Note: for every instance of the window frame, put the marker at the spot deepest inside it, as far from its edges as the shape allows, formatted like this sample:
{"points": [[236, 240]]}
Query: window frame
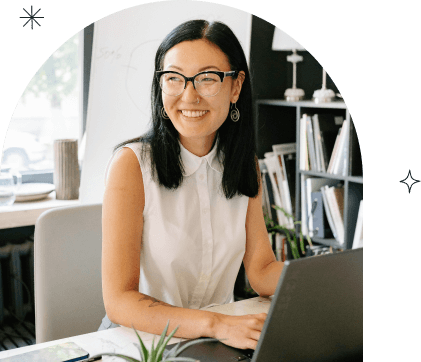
{"points": [[46, 176]]}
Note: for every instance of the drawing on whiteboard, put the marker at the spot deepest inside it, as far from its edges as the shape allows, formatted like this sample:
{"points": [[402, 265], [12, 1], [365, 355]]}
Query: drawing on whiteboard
{"points": [[106, 53], [140, 71]]}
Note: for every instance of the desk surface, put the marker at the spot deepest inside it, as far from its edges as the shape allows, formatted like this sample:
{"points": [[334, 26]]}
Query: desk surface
{"points": [[121, 339], [27, 213]]}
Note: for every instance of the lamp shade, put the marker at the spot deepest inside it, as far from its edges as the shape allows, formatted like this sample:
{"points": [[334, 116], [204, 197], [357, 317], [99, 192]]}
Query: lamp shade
{"points": [[282, 41]]}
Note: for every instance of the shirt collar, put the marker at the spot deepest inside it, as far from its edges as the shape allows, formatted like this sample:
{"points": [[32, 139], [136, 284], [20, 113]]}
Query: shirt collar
{"points": [[192, 162]]}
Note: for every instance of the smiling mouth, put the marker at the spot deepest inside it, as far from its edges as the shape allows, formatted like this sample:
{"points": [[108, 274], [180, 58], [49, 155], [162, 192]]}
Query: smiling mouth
{"points": [[193, 114]]}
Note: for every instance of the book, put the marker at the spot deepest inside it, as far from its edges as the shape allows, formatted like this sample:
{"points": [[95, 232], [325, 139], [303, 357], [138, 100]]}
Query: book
{"points": [[304, 161], [265, 199], [358, 235], [304, 219], [314, 184], [271, 161], [341, 159], [270, 200], [286, 170], [334, 152], [317, 214], [311, 147], [290, 166], [328, 213], [317, 144], [335, 200], [285, 148]]}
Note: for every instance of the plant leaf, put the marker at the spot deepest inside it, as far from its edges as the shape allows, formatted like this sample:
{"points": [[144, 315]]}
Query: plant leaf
{"points": [[172, 351], [144, 354], [162, 348], [161, 340], [187, 345], [181, 359], [161, 344], [152, 354], [127, 358], [276, 207]]}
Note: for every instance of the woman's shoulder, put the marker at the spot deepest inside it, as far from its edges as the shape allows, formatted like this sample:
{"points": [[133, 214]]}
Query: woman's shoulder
{"points": [[140, 149], [123, 170], [128, 158]]}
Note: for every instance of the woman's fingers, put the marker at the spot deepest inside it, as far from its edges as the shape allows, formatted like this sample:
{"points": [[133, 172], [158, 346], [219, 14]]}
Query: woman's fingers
{"points": [[242, 331]]}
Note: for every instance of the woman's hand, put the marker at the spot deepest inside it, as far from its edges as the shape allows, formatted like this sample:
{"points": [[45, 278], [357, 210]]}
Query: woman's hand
{"points": [[239, 331]]}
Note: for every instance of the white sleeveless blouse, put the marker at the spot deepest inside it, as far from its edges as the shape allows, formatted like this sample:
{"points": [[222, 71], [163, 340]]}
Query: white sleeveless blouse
{"points": [[193, 238]]}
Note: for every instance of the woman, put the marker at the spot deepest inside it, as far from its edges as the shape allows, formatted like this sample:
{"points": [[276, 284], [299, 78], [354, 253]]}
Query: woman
{"points": [[182, 206]]}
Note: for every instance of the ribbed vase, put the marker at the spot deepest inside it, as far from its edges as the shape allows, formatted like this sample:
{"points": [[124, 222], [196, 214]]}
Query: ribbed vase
{"points": [[66, 169]]}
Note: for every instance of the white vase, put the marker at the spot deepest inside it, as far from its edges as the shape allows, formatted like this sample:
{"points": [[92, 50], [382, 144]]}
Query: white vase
{"points": [[66, 169]]}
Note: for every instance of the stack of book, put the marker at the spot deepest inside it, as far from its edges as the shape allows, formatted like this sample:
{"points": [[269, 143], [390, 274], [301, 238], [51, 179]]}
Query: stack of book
{"points": [[322, 208], [322, 199], [278, 181], [278, 188], [316, 152]]}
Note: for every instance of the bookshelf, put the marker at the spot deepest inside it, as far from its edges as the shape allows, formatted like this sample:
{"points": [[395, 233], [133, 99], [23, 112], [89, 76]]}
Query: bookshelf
{"points": [[278, 121]]}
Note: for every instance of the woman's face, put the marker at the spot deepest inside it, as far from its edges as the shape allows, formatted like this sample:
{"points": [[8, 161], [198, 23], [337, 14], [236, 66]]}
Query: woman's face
{"points": [[199, 121]]}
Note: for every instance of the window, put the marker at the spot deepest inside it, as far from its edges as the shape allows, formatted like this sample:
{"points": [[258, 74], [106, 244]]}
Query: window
{"points": [[53, 106]]}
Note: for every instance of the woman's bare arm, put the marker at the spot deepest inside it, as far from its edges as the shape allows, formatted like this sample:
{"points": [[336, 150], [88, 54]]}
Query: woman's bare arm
{"points": [[122, 225], [262, 269]]}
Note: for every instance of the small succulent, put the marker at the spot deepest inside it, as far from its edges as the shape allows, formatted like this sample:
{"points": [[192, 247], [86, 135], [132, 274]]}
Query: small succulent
{"points": [[158, 352]]}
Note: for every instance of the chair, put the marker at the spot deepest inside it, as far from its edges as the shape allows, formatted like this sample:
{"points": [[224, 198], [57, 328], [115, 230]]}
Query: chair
{"points": [[67, 258]]}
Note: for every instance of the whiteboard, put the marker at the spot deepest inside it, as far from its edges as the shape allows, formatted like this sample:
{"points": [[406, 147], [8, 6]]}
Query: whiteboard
{"points": [[123, 54]]}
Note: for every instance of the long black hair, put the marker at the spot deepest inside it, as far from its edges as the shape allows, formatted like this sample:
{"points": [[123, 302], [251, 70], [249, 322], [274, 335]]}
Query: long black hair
{"points": [[236, 140]]}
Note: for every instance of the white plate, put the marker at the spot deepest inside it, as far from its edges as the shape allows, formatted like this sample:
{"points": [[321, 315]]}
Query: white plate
{"points": [[33, 191]]}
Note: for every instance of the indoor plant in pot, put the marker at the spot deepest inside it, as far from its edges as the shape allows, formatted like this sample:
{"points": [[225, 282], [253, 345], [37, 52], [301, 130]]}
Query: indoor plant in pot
{"points": [[158, 353], [291, 234]]}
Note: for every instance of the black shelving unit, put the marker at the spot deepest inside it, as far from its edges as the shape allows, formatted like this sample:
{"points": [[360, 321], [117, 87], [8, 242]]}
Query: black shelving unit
{"points": [[278, 121]]}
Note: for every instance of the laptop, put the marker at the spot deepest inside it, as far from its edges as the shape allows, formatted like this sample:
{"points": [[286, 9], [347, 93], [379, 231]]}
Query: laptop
{"points": [[316, 314]]}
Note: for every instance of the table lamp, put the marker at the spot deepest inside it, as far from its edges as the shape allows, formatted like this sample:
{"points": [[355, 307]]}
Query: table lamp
{"points": [[323, 95], [282, 41]]}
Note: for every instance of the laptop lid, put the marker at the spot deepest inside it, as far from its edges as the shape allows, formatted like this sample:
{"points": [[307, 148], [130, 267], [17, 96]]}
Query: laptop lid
{"points": [[316, 314]]}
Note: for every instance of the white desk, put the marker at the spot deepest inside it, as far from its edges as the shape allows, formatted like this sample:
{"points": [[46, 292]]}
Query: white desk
{"points": [[27, 213], [121, 339]]}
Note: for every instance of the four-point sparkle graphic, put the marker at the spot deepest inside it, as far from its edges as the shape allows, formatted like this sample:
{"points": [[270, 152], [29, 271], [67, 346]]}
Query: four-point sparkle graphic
{"points": [[409, 181], [31, 17]]}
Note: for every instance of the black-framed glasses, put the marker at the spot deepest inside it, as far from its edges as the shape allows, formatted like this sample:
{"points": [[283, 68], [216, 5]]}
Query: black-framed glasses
{"points": [[207, 84]]}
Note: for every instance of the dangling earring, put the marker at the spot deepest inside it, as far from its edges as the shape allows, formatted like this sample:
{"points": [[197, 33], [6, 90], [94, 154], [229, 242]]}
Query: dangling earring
{"points": [[235, 113], [164, 114]]}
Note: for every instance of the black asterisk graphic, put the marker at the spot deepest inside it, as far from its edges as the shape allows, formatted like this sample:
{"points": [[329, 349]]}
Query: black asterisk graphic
{"points": [[409, 181], [31, 17]]}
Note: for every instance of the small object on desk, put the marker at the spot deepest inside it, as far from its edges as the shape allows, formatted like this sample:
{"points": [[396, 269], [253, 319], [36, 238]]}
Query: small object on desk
{"points": [[33, 191], [66, 169]]}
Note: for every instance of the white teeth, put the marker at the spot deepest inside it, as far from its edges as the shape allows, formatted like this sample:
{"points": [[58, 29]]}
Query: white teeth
{"points": [[193, 113]]}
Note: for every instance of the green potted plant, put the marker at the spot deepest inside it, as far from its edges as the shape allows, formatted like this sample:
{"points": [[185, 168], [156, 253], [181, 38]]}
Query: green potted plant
{"points": [[291, 234], [158, 353]]}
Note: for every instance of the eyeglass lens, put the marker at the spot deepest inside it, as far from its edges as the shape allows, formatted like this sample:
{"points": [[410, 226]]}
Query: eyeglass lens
{"points": [[206, 84]]}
